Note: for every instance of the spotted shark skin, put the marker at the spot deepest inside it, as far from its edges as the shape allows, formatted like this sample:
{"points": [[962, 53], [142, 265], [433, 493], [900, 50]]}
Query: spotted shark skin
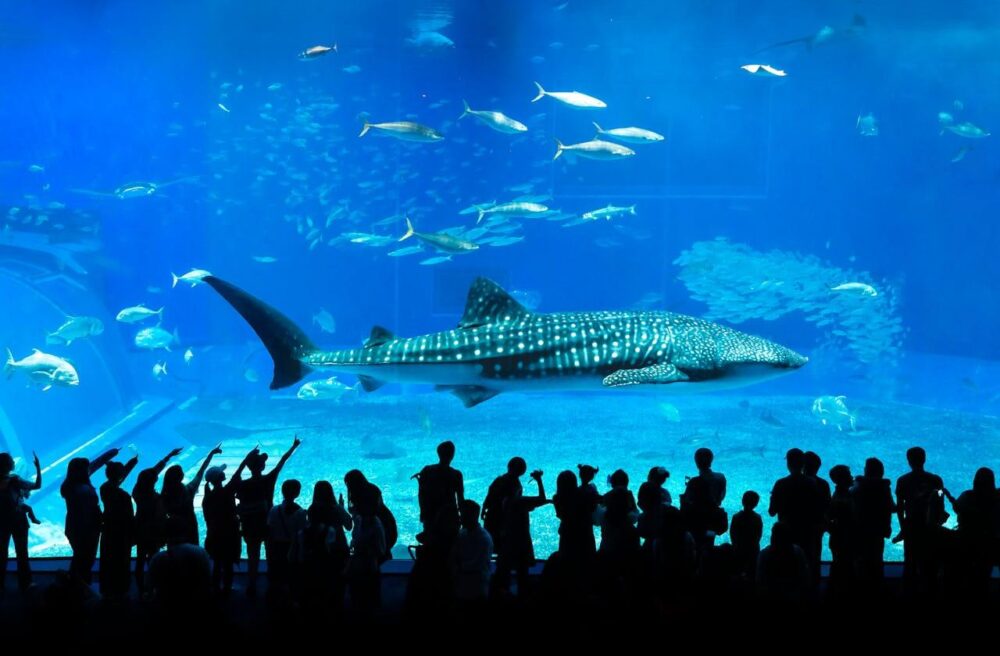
{"points": [[499, 345]]}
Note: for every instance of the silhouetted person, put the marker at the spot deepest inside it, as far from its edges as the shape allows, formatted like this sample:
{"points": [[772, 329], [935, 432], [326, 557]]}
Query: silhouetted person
{"points": [[180, 577], [470, 557], [150, 518], [619, 536], [283, 524], [321, 551], [573, 563], [873, 509], [921, 514], [118, 532], [811, 464], [440, 491], [368, 552], [223, 541], [517, 551], [841, 523], [745, 533], [14, 519], [590, 498], [181, 524], [978, 513], [364, 497], [83, 513], [701, 502], [657, 480], [782, 570], [256, 497], [652, 498], [502, 487], [674, 556], [798, 504]]}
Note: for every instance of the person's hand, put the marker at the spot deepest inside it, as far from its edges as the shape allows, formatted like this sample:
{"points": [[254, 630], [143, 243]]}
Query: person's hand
{"points": [[174, 453], [34, 458], [296, 441], [254, 451], [537, 474], [134, 458], [115, 451], [217, 450]]}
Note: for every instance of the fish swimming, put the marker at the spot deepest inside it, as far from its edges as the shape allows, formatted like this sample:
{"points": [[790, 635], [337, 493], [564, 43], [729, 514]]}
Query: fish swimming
{"points": [[317, 51], [44, 369], [405, 130], [572, 98], [499, 345], [594, 149], [823, 35], [629, 135], [862, 287], [608, 213], [512, 209], [440, 240], [156, 338], [75, 328], [137, 313], [496, 120], [763, 70], [967, 130]]}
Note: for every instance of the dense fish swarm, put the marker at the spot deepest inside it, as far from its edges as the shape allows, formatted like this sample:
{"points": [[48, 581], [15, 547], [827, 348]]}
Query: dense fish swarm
{"points": [[739, 283]]}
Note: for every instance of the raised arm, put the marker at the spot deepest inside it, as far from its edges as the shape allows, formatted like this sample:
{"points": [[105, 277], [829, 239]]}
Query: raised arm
{"points": [[130, 465], [288, 454], [102, 460], [37, 485], [237, 475], [158, 467], [196, 481]]}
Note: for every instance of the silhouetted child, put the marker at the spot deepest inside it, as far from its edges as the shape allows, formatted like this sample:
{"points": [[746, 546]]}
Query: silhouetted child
{"points": [[745, 532], [28, 511], [284, 522], [470, 556], [841, 522]]}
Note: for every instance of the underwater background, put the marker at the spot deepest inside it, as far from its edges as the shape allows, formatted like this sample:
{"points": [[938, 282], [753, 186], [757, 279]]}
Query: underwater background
{"points": [[145, 139]]}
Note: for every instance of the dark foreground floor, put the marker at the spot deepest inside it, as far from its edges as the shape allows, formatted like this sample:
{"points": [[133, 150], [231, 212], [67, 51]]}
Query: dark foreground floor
{"points": [[52, 612]]}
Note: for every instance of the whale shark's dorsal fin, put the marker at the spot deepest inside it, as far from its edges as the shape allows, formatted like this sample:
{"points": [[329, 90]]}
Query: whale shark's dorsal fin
{"points": [[489, 303], [379, 337]]}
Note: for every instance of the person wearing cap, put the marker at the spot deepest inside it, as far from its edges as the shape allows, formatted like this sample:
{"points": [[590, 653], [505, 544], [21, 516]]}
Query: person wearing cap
{"points": [[256, 498], [223, 541]]}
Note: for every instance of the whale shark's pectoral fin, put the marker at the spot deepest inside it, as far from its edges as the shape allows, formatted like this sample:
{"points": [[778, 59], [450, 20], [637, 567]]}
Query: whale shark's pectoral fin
{"points": [[370, 384], [470, 395], [657, 374]]}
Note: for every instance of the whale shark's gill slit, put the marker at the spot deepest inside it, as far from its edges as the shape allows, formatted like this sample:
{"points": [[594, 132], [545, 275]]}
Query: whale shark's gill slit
{"points": [[285, 341]]}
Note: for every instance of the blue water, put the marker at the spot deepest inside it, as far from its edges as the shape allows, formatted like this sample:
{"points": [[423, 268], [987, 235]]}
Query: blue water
{"points": [[246, 144]]}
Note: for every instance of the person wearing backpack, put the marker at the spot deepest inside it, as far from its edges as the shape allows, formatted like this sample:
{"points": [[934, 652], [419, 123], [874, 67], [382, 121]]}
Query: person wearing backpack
{"points": [[14, 519], [701, 502], [921, 513]]}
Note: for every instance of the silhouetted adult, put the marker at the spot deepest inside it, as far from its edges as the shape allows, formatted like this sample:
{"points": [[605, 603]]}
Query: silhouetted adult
{"points": [[571, 567], [284, 522], [14, 519], [180, 576], [502, 487], [921, 514], [840, 519], [321, 551], [181, 524], [798, 504], [364, 497], [674, 555], [118, 531], [223, 541], [745, 533], [517, 551], [590, 498], [470, 557], [440, 491], [873, 510], [651, 499], [150, 518], [619, 536], [256, 497], [811, 464], [978, 513], [782, 570], [83, 513], [701, 502]]}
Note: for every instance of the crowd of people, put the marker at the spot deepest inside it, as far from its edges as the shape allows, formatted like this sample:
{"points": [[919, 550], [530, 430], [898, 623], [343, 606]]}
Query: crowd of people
{"points": [[650, 550]]}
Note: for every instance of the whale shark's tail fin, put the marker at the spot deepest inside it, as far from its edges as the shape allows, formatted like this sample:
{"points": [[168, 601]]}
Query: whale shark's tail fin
{"points": [[285, 341]]}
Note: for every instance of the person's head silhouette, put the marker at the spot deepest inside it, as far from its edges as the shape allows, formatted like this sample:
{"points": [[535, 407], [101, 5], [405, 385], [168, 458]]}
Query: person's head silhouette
{"points": [[587, 473], [290, 490], [750, 500], [841, 476], [874, 468], [916, 457], [6, 464], [703, 458], [517, 466], [795, 460], [115, 472], [469, 512], [446, 452], [811, 463]]}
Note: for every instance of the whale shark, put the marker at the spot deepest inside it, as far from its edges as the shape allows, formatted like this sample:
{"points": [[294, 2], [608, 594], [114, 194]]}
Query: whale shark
{"points": [[499, 346]]}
